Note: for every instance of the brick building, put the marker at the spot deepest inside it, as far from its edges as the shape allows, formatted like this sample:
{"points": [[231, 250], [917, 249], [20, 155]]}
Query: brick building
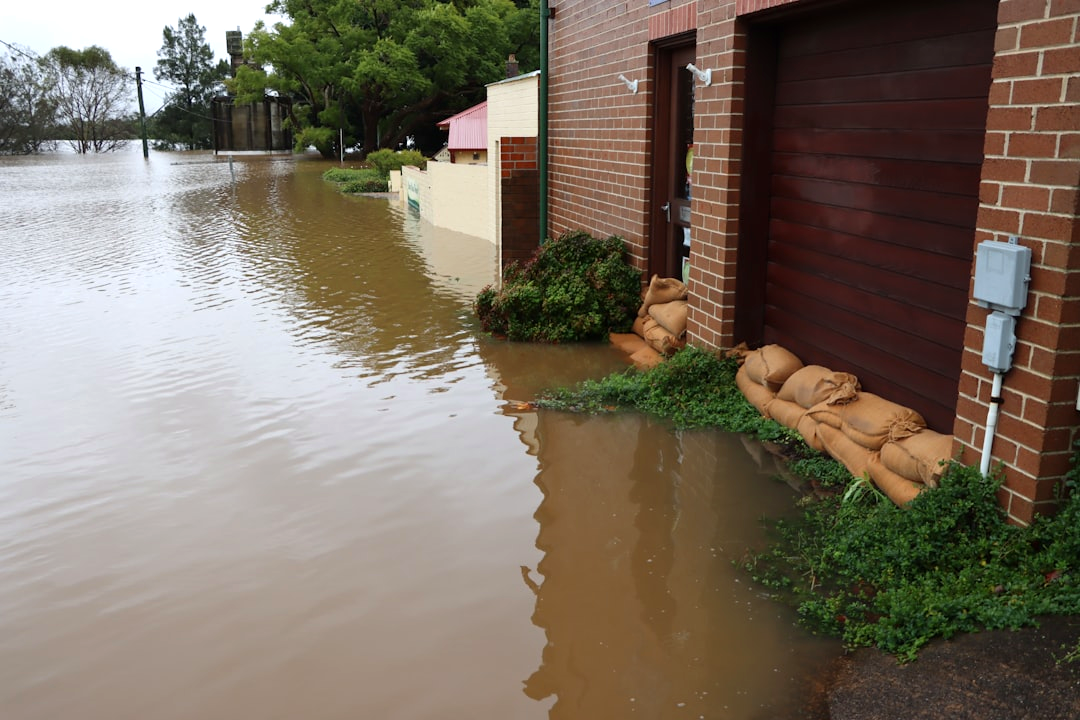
{"points": [[827, 168]]}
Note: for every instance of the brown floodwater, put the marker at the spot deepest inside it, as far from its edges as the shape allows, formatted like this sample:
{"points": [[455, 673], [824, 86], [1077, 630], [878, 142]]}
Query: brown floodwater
{"points": [[257, 461]]}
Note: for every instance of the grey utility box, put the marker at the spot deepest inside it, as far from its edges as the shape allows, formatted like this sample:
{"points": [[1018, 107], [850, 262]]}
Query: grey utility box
{"points": [[999, 342], [1002, 274]]}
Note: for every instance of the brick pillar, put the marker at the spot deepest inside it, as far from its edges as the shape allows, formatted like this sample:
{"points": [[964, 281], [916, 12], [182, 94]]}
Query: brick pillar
{"points": [[1029, 185], [718, 137], [520, 185]]}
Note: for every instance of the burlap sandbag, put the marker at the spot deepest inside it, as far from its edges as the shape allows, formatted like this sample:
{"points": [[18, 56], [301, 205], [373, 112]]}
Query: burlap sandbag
{"points": [[921, 457], [670, 315], [771, 366], [660, 339], [849, 453], [646, 358], [814, 384], [629, 343], [786, 413], [758, 395], [807, 427], [869, 420], [898, 489], [662, 290]]}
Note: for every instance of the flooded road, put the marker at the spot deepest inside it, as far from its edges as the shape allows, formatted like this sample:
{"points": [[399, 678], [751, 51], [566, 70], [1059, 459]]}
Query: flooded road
{"points": [[257, 461]]}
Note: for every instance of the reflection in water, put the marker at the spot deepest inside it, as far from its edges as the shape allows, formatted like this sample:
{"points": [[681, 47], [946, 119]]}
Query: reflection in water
{"points": [[258, 463], [644, 614]]}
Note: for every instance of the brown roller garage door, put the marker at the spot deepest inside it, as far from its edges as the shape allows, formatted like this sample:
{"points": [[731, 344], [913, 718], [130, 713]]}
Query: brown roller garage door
{"points": [[878, 117]]}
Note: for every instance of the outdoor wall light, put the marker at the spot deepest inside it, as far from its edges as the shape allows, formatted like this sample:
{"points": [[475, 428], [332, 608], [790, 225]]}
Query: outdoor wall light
{"points": [[631, 85], [703, 76]]}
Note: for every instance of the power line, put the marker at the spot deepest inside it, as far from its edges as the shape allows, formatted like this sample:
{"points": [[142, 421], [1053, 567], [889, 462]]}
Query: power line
{"points": [[16, 48]]}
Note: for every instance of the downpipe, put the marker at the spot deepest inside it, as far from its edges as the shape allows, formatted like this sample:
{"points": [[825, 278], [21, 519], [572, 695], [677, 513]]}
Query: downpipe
{"points": [[542, 129]]}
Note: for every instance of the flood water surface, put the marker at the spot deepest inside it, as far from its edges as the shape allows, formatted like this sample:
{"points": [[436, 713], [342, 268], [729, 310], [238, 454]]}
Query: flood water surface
{"points": [[258, 462]]}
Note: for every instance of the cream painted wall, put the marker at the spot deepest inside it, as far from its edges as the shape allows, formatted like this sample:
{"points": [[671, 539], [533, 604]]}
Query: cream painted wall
{"points": [[451, 196], [513, 111], [465, 157], [466, 198], [459, 196]]}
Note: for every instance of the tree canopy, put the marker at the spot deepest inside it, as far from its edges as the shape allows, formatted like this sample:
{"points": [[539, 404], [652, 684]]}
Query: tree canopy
{"points": [[186, 61], [27, 107], [380, 70], [92, 98]]}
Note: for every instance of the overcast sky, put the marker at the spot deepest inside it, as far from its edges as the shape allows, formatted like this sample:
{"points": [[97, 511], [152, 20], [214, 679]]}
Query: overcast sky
{"points": [[130, 31]]}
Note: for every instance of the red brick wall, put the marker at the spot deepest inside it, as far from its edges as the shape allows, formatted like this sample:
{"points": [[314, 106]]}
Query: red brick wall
{"points": [[1029, 185], [520, 185], [599, 160], [598, 143]]}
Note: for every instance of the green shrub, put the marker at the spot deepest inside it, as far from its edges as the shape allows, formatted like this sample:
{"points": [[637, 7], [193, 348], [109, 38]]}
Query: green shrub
{"points": [[574, 288], [386, 160]]}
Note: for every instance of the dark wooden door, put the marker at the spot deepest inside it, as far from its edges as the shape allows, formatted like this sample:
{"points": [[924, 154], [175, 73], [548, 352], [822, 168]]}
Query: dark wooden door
{"points": [[673, 143], [878, 116]]}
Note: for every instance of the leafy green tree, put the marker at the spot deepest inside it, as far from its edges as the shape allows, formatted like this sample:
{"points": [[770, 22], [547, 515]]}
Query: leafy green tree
{"points": [[27, 107], [186, 61], [92, 96], [377, 70]]}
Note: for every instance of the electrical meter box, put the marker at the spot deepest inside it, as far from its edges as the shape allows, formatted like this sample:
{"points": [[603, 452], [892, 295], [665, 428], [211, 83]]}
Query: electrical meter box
{"points": [[999, 341], [1002, 274]]}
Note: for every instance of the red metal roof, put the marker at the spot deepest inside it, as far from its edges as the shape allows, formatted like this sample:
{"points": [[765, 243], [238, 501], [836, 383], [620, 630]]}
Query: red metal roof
{"points": [[468, 129]]}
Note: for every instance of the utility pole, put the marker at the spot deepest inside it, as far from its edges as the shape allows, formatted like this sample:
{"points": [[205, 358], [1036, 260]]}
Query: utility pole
{"points": [[142, 112]]}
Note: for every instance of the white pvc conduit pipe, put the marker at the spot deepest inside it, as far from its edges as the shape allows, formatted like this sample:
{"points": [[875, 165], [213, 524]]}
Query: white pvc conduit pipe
{"points": [[991, 423]]}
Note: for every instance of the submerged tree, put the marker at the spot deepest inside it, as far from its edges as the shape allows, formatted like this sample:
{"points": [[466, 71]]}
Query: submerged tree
{"points": [[186, 61], [27, 107], [92, 98], [377, 70]]}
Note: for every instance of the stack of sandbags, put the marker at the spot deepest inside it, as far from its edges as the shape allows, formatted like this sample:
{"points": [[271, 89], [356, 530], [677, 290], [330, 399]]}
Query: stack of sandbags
{"points": [[661, 290], [868, 434], [854, 431], [763, 372], [661, 318], [812, 385], [906, 466]]}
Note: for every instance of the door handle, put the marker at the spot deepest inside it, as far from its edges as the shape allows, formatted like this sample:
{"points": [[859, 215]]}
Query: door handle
{"points": [[666, 207]]}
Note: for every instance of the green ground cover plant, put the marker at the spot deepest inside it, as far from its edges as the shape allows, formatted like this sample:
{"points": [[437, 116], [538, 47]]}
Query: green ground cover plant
{"points": [[575, 287], [854, 564], [356, 180], [386, 160], [374, 176]]}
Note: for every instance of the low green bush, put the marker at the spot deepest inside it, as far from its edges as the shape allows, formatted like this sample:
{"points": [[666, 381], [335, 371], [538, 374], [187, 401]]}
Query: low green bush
{"points": [[386, 160], [350, 180], [575, 287], [854, 564], [340, 175]]}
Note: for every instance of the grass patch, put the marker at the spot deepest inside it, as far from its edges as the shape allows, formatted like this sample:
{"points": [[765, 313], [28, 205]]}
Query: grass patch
{"points": [[855, 565]]}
